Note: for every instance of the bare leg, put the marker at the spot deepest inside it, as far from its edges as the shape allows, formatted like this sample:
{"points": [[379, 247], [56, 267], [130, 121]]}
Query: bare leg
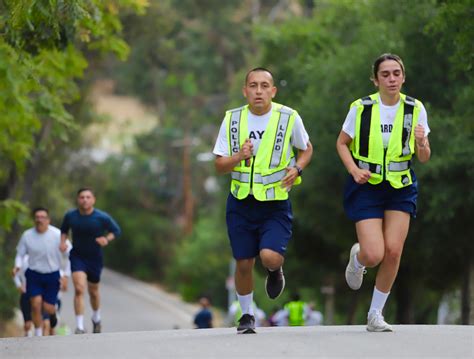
{"points": [[94, 295], [395, 228], [244, 276], [36, 315], [371, 239], [79, 279]]}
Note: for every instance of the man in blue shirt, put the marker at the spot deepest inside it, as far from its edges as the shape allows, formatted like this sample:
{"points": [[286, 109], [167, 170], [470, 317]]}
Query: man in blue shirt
{"points": [[91, 230]]}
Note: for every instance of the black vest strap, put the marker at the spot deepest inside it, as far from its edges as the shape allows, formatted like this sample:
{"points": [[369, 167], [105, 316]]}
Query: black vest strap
{"points": [[364, 133]]}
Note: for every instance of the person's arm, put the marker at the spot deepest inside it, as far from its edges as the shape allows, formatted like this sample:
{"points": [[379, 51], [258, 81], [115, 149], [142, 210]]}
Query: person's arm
{"points": [[113, 232], [64, 233], [342, 146], [422, 148], [21, 251], [226, 164], [292, 173]]}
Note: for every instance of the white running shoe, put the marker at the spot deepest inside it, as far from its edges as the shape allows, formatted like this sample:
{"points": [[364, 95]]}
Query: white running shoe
{"points": [[354, 276], [376, 323]]}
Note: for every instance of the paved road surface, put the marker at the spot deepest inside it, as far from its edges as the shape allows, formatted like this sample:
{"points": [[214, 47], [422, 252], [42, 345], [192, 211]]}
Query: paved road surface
{"points": [[130, 305], [138, 321], [297, 342]]}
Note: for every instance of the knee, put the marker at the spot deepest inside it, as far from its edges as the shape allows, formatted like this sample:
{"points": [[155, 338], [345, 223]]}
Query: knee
{"points": [[271, 259], [372, 258], [244, 266], [79, 289]]}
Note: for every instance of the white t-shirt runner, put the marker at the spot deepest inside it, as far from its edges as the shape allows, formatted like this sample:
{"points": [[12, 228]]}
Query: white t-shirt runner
{"points": [[387, 117], [257, 126], [42, 248]]}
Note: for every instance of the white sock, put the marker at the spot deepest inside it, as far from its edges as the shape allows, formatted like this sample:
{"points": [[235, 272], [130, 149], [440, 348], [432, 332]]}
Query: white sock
{"points": [[38, 332], [80, 322], [378, 300], [96, 316], [245, 302], [357, 263]]}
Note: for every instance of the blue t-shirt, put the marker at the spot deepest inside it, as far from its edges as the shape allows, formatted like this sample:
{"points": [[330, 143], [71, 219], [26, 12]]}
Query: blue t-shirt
{"points": [[203, 319], [86, 228]]}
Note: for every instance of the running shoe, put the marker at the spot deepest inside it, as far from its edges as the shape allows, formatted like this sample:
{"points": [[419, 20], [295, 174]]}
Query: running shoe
{"points": [[246, 324], [80, 331], [376, 322], [274, 283], [97, 327], [354, 276]]}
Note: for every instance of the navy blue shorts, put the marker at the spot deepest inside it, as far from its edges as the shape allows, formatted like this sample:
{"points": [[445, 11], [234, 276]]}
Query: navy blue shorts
{"points": [[364, 201], [254, 225], [92, 267], [44, 284]]}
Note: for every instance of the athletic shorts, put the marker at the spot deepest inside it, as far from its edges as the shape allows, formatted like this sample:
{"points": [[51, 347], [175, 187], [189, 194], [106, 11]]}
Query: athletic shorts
{"points": [[44, 284], [364, 201], [92, 267], [254, 225]]}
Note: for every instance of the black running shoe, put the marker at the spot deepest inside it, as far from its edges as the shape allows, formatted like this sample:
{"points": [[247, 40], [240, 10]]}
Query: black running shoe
{"points": [[97, 327], [246, 324], [275, 283]]}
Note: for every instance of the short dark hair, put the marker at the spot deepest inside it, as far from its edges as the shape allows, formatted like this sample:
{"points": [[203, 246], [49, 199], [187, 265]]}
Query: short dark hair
{"points": [[83, 189], [39, 209], [384, 57], [257, 69]]}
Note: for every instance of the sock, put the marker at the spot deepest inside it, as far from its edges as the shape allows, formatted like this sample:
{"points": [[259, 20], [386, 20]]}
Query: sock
{"points": [[38, 332], [96, 316], [357, 263], [80, 322], [378, 300], [245, 302]]}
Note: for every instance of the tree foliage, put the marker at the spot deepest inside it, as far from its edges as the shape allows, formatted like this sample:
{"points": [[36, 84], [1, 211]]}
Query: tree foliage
{"points": [[43, 51]]}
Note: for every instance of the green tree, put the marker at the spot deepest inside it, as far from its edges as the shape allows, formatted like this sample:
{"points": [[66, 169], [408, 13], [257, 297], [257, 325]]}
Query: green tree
{"points": [[43, 47]]}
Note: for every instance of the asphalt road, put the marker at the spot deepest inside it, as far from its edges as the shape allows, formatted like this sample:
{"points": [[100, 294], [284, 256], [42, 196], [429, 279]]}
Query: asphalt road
{"points": [[130, 305], [140, 321], [283, 342]]}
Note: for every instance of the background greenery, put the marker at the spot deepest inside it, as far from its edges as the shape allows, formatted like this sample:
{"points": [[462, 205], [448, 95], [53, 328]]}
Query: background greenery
{"points": [[186, 61]]}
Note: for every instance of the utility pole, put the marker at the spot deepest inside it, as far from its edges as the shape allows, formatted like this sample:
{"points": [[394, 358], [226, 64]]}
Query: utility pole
{"points": [[188, 198]]}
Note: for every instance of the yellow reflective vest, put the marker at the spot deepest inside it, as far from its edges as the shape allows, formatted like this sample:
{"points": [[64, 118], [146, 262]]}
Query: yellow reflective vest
{"points": [[391, 164], [296, 312], [268, 167]]}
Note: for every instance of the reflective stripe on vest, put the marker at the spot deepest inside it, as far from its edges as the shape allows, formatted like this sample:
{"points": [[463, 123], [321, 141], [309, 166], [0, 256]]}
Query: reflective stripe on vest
{"points": [[282, 127], [258, 178], [234, 130]]}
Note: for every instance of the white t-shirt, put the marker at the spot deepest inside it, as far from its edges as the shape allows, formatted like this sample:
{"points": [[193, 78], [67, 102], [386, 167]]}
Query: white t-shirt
{"points": [[387, 117], [42, 248], [257, 125]]}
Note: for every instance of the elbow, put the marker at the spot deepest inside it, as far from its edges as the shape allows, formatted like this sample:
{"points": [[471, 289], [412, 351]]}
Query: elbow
{"points": [[219, 167]]}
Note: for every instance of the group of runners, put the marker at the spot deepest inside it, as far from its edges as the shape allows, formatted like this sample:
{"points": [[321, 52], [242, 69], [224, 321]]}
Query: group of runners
{"points": [[45, 258], [256, 143]]}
